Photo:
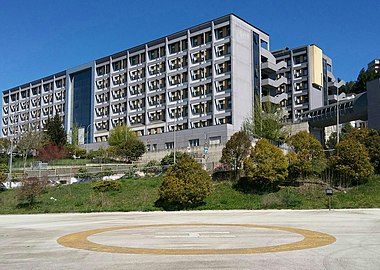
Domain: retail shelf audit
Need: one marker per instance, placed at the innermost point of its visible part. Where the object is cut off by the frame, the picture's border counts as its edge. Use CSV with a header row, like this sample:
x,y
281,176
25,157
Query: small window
x,y
169,145
264,44
215,140
194,142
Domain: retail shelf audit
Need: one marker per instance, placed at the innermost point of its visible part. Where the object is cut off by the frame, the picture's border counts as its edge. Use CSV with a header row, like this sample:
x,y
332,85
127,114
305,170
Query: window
x,y
194,142
215,140
222,32
169,145
297,60
264,44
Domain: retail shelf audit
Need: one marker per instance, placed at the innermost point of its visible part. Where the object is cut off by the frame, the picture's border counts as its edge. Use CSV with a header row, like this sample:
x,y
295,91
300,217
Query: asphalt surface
x,y
279,239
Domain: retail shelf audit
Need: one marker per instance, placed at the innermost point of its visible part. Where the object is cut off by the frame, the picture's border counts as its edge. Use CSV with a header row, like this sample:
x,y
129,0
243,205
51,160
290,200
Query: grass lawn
x,y
141,194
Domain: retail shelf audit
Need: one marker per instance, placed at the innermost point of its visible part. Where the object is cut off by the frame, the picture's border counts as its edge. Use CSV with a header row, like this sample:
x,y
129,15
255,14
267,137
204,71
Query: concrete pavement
x,y
268,239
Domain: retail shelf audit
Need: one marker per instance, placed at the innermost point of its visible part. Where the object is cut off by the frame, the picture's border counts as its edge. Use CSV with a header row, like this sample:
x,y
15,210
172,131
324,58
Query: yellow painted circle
x,y
312,239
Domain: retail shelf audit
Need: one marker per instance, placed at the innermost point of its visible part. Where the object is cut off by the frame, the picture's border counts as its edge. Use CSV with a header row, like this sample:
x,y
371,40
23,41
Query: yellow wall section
x,y
317,67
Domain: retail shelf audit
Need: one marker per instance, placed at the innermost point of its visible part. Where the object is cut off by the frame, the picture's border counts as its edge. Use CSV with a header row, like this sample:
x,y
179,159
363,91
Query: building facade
x,y
189,89
304,82
374,65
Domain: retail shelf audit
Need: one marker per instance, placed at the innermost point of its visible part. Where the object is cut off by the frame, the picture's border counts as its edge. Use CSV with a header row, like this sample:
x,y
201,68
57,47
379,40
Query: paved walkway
x,y
340,239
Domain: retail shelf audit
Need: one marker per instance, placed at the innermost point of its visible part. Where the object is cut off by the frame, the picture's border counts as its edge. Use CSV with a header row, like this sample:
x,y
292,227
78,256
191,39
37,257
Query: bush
x,y
75,151
271,200
106,185
281,200
3,172
352,159
307,157
186,184
168,160
236,150
153,167
31,187
52,152
267,165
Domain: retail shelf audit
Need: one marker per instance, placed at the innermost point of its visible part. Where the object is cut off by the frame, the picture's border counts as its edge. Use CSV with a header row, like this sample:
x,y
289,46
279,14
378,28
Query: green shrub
x,y
307,157
83,173
106,185
168,160
153,166
266,166
280,200
271,200
76,151
186,184
352,159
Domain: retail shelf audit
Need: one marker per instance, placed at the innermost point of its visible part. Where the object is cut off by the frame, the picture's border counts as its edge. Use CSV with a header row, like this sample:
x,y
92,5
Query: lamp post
x,y
87,137
174,139
175,119
337,115
10,165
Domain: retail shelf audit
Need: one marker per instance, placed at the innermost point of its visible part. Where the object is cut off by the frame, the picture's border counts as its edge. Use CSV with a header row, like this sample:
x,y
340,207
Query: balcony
x,y
270,83
269,67
276,99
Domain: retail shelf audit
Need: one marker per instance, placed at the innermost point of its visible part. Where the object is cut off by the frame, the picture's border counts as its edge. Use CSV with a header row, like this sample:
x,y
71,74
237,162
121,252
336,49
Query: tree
x,y
346,130
370,138
4,145
361,82
3,172
236,150
309,157
125,144
75,151
349,87
185,184
30,140
101,154
5,148
31,187
360,85
168,160
266,166
52,151
352,159
266,121
55,131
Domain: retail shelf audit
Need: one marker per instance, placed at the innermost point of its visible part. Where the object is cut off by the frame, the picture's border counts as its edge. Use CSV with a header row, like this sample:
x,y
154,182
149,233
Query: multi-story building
x,y
304,81
190,88
374,65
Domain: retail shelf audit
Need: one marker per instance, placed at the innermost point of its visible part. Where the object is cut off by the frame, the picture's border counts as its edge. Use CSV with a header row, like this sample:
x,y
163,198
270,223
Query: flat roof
x,y
142,46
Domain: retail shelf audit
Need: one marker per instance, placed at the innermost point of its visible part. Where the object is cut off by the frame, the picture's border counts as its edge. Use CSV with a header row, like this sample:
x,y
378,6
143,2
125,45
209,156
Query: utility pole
x,y
337,116
175,119
10,165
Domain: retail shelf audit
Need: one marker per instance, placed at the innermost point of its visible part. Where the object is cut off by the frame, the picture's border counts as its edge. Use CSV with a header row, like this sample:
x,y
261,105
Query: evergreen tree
x,y
185,184
308,157
266,165
266,121
125,144
55,131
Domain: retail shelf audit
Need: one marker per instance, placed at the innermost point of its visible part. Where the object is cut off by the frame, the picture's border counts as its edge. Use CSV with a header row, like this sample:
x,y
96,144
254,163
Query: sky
x,y
42,37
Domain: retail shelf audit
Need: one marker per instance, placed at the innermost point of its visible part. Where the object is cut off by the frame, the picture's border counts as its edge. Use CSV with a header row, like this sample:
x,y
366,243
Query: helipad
x,y
270,239
193,239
